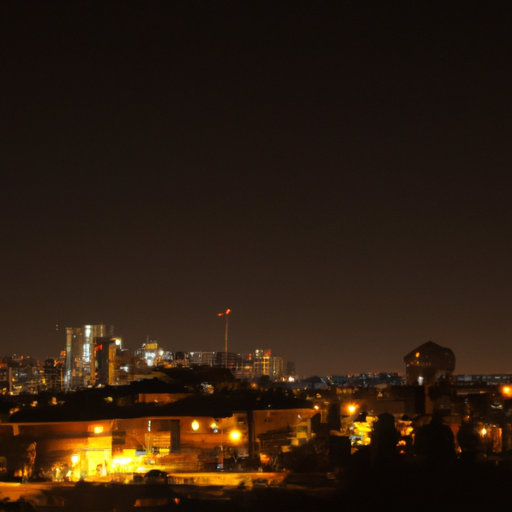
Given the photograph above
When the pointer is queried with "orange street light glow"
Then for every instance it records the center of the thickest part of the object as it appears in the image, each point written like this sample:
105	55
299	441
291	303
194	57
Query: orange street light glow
235	435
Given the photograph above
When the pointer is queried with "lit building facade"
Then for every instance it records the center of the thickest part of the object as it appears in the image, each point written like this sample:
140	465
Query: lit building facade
106	360
246	367
150	352
278	368
80	354
262	363
203	358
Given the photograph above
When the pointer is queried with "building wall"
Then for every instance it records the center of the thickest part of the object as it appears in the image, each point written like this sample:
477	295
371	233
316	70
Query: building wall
106	360
428	363
80	364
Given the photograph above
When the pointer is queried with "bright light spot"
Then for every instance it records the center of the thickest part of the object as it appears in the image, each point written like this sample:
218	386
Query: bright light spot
417	354
122	461
316	407
483	431
195	425
98	429
75	458
235	435
351	409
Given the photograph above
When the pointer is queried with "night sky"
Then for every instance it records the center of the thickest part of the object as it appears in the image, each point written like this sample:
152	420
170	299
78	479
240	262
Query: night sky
336	173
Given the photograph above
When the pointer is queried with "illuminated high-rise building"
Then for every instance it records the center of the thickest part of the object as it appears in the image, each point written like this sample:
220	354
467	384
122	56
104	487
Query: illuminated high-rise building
80	364
106	361
262	360
277	368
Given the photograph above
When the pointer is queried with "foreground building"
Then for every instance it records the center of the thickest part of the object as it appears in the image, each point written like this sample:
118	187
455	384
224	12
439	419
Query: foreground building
118	433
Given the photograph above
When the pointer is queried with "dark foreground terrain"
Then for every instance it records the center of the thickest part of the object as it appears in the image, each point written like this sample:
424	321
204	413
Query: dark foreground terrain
439	488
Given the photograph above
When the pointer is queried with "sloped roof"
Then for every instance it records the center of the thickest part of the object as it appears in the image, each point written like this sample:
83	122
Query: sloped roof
429	348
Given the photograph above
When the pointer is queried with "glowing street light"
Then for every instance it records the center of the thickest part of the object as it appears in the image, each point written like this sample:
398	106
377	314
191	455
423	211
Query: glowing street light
235	435
226	314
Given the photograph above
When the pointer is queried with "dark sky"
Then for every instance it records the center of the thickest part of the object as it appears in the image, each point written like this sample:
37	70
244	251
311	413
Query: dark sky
336	173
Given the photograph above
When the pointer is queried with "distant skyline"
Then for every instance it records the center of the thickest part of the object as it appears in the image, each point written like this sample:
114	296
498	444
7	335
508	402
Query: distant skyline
336	173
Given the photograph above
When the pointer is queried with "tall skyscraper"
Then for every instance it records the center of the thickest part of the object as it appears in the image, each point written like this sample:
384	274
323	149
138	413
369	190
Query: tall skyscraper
106	360
80	364
262	362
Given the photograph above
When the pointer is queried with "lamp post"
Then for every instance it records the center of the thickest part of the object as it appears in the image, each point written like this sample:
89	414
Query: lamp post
234	437
226	314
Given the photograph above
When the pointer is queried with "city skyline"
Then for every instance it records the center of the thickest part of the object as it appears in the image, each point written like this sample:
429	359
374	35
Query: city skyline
336	174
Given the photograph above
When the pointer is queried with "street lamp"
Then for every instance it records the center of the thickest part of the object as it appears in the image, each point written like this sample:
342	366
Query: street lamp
226	314
351	408
234	436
